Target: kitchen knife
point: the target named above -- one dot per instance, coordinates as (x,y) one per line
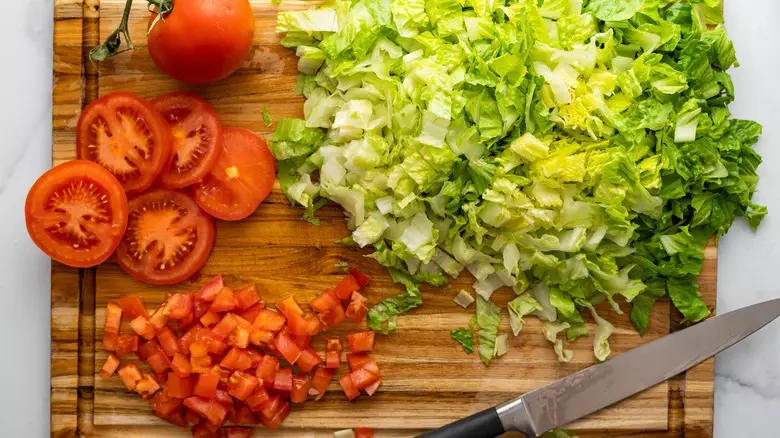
(599,386)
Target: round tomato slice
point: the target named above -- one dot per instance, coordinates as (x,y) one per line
(196,134)
(126,135)
(242,178)
(76,213)
(168,237)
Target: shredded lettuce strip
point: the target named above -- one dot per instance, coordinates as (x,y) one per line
(576,151)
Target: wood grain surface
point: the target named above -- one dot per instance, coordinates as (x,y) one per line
(429,380)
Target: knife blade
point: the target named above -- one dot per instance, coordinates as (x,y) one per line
(602,385)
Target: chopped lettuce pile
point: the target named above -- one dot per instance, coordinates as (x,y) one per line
(576,151)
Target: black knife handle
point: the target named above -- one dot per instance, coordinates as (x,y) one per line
(485,424)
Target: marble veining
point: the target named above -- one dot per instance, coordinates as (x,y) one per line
(747,395)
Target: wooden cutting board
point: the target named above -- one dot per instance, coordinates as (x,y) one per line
(429,380)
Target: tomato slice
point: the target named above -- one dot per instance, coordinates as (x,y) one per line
(346,287)
(246,297)
(76,213)
(242,178)
(237,432)
(128,136)
(168,238)
(196,135)
(180,306)
(283,379)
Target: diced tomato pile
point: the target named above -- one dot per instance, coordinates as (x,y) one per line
(220,355)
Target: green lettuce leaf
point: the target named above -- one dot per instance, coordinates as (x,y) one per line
(465,337)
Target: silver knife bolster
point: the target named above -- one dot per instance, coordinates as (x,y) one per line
(515,417)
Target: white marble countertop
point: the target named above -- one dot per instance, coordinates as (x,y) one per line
(747,395)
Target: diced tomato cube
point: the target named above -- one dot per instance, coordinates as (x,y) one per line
(147,386)
(308,360)
(237,432)
(287,347)
(159,362)
(361,278)
(300,388)
(334,344)
(325,301)
(224,301)
(303,325)
(332,317)
(242,415)
(357,308)
(210,290)
(180,305)
(241,385)
(198,349)
(130,375)
(346,287)
(188,338)
(333,353)
(362,378)
(217,413)
(371,390)
(372,367)
(332,359)
(236,359)
(110,366)
(206,385)
(210,318)
(225,326)
(255,356)
(191,416)
(181,365)
(222,396)
(176,417)
(357,360)
(260,337)
(132,307)
(239,337)
(302,341)
(288,307)
(269,320)
(280,414)
(361,341)
(160,317)
(111,328)
(197,404)
(320,382)
(200,364)
(266,370)
(126,344)
(168,341)
(364,432)
(179,387)
(251,313)
(349,387)
(246,296)
(148,349)
(202,431)
(257,399)
(164,404)
(283,379)
(142,327)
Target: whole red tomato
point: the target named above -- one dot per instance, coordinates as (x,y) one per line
(202,41)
